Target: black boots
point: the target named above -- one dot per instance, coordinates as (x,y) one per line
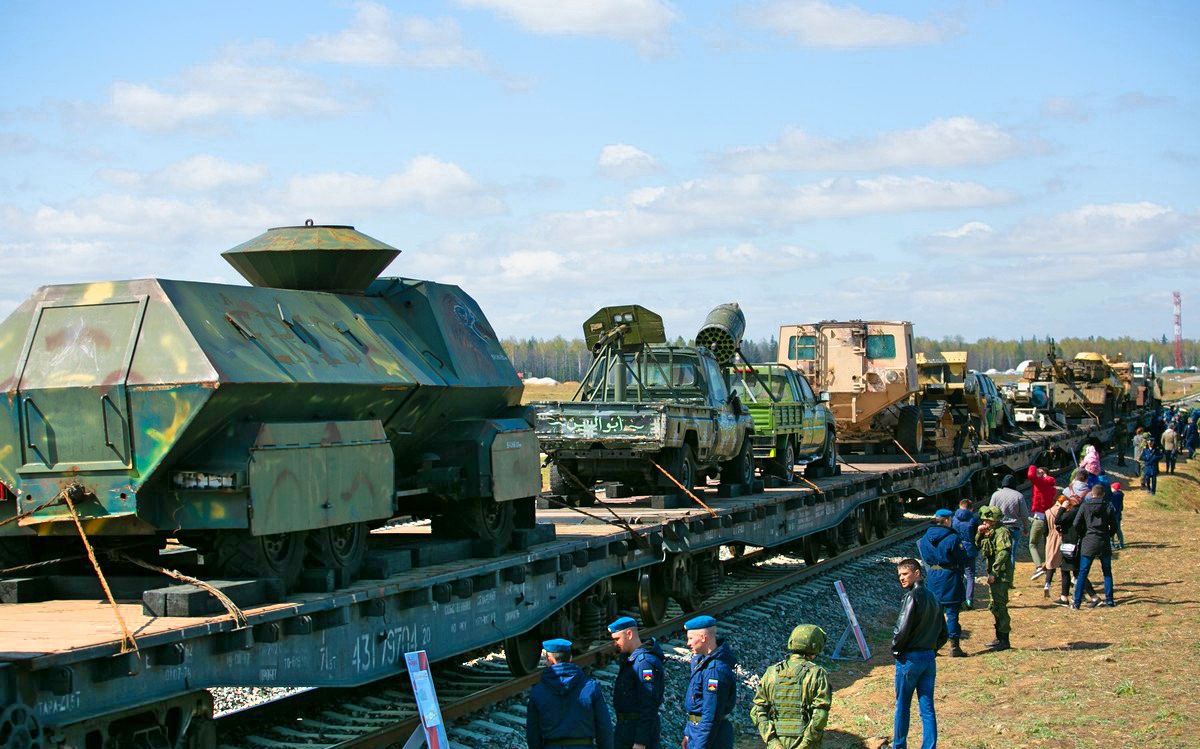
(998,644)
(956,650)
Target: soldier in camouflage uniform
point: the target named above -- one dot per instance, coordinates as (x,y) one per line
(995,545)
(791,704)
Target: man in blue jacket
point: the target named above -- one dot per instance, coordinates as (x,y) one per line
(638,690)
(941,550)
(712,690)
(566,707)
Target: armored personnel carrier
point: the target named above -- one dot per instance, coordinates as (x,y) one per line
(870,372)
(263,424)
(643,403)
(1085,389)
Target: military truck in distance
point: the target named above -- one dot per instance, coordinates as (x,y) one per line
(792,424)
(870,372)
(1067,392)
(642,403)
(958,407)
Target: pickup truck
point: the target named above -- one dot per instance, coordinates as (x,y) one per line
(678,412)
(792,424)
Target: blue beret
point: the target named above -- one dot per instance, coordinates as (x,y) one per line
(943,514)
(557,646)
(624,622)
(700,622)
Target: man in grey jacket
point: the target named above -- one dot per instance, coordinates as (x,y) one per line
(1016,511)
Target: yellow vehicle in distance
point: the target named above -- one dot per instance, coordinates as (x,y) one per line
(959,407)
(869,370)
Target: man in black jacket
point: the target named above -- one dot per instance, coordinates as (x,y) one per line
(920,631)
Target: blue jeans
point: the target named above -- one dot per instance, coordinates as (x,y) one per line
(1085,564)
(1016,534)
(953,629)
(915,671)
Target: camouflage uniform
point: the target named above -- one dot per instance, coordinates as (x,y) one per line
(996,549)
(791,704)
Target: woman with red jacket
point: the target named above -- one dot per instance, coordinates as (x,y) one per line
(1044,493)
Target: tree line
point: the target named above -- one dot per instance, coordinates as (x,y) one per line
(568,359)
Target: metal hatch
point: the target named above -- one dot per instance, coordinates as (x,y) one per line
(71,390)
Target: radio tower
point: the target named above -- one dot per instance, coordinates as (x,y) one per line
(1178,334)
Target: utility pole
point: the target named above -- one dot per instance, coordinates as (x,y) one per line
(1178,334)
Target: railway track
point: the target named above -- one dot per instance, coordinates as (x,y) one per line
(384,714)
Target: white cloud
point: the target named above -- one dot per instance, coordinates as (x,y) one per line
(200,173)
(622,161)
(749,203)
(1065,108)
(426,184)
(950,142)
(643,23)
(821,25)
(226,87)
(376,37)
(1134,100)
(1085,233)
(968,229)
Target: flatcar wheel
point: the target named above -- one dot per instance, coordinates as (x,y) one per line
(810,549)
(879,518)
(523,653)
(20,728)
(862,525)
(652,598)
(342,547)
(281,555)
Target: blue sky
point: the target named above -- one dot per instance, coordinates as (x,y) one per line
(979,168)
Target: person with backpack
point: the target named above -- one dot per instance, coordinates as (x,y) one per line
(1095,524)
(965,524)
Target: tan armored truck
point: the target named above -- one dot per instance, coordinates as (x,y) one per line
(869,370)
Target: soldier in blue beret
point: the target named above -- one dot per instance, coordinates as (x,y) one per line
(566,707)
(712,690)
(638,690)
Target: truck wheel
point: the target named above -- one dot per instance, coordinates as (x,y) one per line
(740,470)
(909,432)
(477,517)
(783,465)
(681,464)
(564,487)
(239,554)
(827,465)
(342,547)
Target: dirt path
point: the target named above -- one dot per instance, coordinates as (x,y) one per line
(1122,677)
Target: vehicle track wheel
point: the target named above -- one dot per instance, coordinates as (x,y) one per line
(20,728)
(652,598)
(342,547)
(681,464)
(740,470)
(477,517)
(239,554)
(908,429)
(783,465)
(523,653)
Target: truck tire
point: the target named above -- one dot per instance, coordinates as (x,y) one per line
(239,554)
(909,433)
(480,518)
(740,470)
(341,547)
(826,466)
(783,465)
(565,487)
(680,462)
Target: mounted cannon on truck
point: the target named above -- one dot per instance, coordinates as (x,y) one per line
(645,405)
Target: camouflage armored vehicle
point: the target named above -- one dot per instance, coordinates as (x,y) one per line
(870,372)
(644,403)
(792,424)
(958,407)
(264,424)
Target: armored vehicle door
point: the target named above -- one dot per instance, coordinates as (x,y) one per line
(71,386)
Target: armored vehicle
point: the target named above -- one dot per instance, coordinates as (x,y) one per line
(643,403)
(870,372)
(264,423)
(1066,392)
(958,407)
(792,424)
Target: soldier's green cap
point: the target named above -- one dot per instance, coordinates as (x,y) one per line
(808,639)
(990,513)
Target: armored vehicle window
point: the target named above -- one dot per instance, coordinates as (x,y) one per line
(881,347)
(802,347)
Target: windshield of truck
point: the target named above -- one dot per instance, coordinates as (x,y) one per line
(763,388)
